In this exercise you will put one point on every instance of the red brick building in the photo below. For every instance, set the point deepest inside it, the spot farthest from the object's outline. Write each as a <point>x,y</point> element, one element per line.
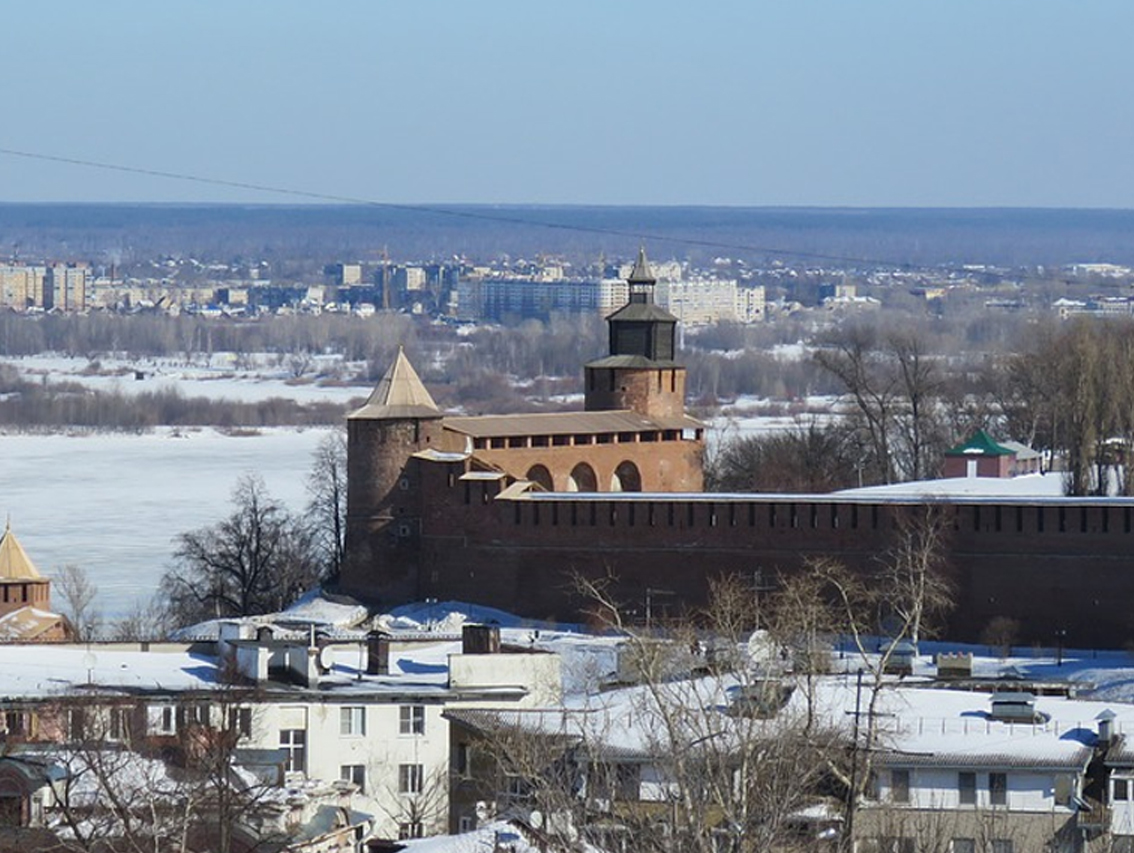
<point>504,510</point>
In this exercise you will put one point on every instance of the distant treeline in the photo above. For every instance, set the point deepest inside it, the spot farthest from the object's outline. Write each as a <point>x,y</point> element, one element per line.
<point>532,366</point>
<point>36,405</point>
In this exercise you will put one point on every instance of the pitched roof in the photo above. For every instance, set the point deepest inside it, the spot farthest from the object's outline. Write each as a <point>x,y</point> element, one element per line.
<point>980,444</point>
<point>642,312</point>
<point>399,394</point>
<point>564,423</point>
<point>15,564</point>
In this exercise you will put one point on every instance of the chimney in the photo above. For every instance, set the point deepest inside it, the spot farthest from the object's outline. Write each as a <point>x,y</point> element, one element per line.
<point>377,653</point>
<point>1106,727</point>
<point>480,640</point>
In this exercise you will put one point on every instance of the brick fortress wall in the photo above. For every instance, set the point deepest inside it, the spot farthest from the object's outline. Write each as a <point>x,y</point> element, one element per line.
<point>1051,564</point>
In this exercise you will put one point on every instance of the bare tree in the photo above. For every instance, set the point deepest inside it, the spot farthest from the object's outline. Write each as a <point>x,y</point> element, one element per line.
<point>145,621</point>
<point>121,788</point>
<point>326,508</point>
<point>258,560</point>
<point>78,593</point>
<point>854,358</point>
<point>898,600</point>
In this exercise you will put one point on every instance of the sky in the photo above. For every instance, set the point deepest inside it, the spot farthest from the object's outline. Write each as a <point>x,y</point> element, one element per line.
<point>959,103</point>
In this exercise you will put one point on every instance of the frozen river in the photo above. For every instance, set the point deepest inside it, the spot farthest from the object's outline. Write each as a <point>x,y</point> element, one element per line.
<point>113,503</point>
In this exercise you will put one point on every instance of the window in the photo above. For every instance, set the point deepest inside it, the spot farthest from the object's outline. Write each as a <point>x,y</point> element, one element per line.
<point>294,743</point>
<point>411,779</point>
<point>900,786</point>
<point>195,714</point>
<point>352,720</point>
<point>966,787</point>
<point>467,824</point>
<point>119,724</point>
<point>413,829</point>
<point>76,723</point>
<point>998,789</point>
<point>412,719</point>
<point>161,720</point>
<point>1121,789</point>
<point>355,773</point>
<point>964,845</point>
<point>18,723</point>
<point>240,721</point>
<point>462,759</point>
<point>1001,845</point>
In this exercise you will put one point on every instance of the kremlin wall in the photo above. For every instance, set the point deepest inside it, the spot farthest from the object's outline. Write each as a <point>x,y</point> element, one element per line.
<point>507,510</point>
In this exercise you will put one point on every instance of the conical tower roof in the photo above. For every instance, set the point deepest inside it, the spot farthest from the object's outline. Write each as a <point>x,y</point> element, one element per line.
<point>15,564</point>
<point>399,394</point>
<point>641,273</point>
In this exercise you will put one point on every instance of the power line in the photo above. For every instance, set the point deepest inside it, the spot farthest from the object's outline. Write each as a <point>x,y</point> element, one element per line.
<point>450,212</point>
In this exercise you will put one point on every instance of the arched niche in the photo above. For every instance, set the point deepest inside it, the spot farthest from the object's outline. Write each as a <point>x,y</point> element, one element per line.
<point>626,478</point>
<point>582,479</point>
<point>541,476</point>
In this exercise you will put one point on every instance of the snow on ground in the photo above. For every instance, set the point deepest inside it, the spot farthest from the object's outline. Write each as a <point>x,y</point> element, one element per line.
<point>217,376</point>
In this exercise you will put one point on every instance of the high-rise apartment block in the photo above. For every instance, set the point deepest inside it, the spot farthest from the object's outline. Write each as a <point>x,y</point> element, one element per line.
<point>65,287</point>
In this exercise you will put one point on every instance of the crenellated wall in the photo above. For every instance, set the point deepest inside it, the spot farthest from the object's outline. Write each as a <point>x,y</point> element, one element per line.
<point>1056,565</point>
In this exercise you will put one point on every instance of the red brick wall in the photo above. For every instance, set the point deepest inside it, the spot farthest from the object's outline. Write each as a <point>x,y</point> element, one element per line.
<point>1054,566</point>
<point>664,466</point>
<point>657,393</point>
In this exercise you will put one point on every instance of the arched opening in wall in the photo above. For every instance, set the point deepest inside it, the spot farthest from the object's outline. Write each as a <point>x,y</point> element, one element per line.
<point>582,479</point>
<point>540,475</point>
<point>626,478</point>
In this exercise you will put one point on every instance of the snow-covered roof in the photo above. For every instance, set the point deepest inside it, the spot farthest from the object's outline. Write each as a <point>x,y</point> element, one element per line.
<point>1048,485</point>
<point>27,624</point>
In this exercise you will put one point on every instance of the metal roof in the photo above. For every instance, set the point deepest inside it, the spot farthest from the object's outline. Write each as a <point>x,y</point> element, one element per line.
<point>637,361</point>
<point>646,312</point>
<point>1043,758</point>
<point>979,444</point>
<point>641,273</point>
<point>564,423</point>
<point>15,564</point>
<point>399,394</point>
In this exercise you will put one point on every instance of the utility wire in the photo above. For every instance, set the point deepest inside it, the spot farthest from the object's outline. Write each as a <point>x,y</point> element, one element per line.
<point>450,212</point>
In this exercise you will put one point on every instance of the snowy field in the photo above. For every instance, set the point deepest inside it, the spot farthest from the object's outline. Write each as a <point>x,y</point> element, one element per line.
<point>220,376</point>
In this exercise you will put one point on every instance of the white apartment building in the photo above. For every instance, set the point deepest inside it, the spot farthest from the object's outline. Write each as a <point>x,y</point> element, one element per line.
<point>313,708</point>
<point>698,302</point>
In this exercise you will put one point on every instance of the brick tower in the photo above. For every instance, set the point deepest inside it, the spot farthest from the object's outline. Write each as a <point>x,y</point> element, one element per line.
<point>640,374</point>
<point>384,503</point>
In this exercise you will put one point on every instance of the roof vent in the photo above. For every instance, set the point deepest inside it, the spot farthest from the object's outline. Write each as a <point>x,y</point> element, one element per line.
<point>1015,706</point>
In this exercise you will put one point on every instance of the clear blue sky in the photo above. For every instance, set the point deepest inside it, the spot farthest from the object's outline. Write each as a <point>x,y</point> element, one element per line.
<point>791,102</point>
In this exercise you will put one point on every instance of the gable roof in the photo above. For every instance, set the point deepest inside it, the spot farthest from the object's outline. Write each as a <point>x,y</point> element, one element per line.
<point>980,444</point>
<point>399,394</point>
<point>15,564</point>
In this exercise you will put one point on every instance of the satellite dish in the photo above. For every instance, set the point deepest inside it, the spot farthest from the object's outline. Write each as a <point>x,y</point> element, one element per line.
<point>536,819</point>
<point>327,657</point>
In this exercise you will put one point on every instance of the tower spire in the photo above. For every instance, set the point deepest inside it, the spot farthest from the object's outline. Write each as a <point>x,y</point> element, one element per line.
<point>641,279</point>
